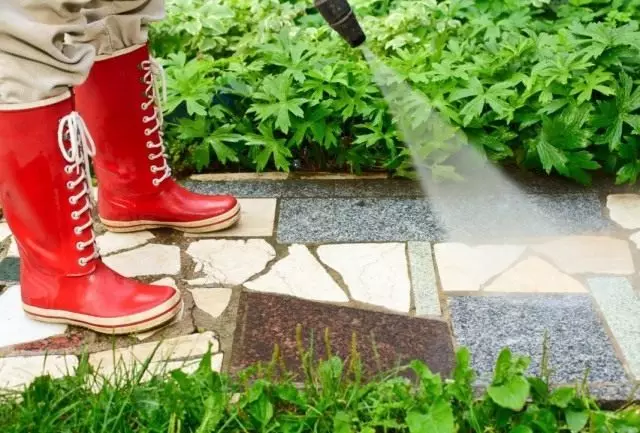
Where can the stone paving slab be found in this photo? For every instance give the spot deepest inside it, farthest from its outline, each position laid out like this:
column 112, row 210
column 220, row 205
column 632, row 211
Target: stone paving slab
column 266, row 320
column 17, row 372
column 426, row 297
column 311, row 188
column 257, row 219
column 578, row 340
column 620, row 306
column 179, row 352
column 355, row 220
column 9, row 270
column 396, row 219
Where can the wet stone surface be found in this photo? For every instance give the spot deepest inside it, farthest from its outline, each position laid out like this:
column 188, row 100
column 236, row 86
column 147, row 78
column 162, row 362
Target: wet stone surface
column 468, row 218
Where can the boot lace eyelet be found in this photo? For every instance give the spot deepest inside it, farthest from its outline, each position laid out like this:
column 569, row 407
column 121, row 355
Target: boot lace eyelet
column 79, row 246
column 69, row 185
column 75, row 215
column 72, row 201
column 147, row 132
column 153, row 169
column 68, row 169
column 155, row 182
column 82, row 262
column 77, row 231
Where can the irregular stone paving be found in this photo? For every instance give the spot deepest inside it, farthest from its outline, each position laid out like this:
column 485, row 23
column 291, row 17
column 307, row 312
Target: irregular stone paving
column 229, row 262
column 299, row 274
column 16, row 372
column 534, row 275
column 624, row 209
column 375, row 274
column 177, row 353
column 296, row 259
column 464, row 268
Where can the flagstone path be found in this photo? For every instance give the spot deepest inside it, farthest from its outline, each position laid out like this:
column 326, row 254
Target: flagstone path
column 374, row 258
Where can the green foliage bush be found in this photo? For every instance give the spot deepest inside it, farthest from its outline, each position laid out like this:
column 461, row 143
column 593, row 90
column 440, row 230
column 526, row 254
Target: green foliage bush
column 332, row 396
column 264, row 84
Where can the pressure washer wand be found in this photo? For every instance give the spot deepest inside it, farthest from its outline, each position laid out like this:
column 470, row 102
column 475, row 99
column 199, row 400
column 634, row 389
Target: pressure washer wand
column 340, row 16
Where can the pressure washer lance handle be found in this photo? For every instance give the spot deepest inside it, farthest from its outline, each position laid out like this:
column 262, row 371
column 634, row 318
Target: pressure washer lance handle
column 340, row 16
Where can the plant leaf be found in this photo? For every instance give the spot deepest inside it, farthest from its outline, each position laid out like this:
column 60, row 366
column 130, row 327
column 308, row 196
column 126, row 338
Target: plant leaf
column 576, row 420
column 439, row 419
column 512, row 394
column 561, row 397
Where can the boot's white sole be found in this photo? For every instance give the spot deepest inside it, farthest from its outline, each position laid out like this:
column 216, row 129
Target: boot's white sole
column 134, row 323
column 207, row 225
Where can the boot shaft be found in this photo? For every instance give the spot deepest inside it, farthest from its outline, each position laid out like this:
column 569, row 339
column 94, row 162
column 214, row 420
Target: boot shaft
column 118, row 102
column 44, row 187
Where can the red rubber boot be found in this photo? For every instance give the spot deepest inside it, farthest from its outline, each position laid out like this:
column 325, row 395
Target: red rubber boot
column 45, row 192
column 136, row 192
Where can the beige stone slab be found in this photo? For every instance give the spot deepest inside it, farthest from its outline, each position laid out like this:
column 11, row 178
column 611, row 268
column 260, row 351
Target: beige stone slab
column 229, row 262
column 212, row 301
column 589, row 255
column 192, row 346
column 624, row 209
column 535, row 275
column 5, row 232
column 191, row 366
column 13, row 249
column 110, row 242
column 257, row 217
column 16, row 372
column 226, row 177
column 376, row 274
column 152, row 259
column 300, row 275
column 464, row 268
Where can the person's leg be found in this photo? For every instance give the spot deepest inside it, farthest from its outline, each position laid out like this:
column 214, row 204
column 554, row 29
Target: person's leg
column 35, row 62
column 120, row 105
column 45, row 180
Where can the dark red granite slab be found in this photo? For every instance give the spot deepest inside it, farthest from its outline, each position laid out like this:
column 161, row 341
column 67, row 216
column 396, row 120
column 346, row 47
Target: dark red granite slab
column 266, row 319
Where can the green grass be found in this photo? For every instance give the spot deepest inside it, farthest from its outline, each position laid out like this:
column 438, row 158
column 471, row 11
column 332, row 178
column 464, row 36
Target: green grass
column 331, row 395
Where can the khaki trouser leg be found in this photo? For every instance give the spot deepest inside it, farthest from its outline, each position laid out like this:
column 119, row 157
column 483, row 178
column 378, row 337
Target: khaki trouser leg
column 48, row 46
column 113, row 25
column 35, row 61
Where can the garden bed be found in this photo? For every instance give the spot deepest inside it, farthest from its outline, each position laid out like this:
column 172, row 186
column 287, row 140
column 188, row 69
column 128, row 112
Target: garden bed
column 548, row 86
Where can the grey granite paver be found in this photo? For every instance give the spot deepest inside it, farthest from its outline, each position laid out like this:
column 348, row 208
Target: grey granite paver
column 479, row 218
column 10, row 269
column 311, row 188
column 620, row 306
column 353, row 220
column 423, row 279
column 578, row 340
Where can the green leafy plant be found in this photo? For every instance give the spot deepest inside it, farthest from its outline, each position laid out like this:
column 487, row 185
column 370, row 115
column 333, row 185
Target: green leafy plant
column 328, row 394
column 546, row 85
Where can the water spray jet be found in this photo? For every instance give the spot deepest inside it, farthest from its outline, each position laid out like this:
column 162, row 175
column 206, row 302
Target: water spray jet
column 339, row 15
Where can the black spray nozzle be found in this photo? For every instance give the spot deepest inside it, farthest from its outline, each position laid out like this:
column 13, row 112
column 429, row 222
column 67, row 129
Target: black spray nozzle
column 340, row 16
